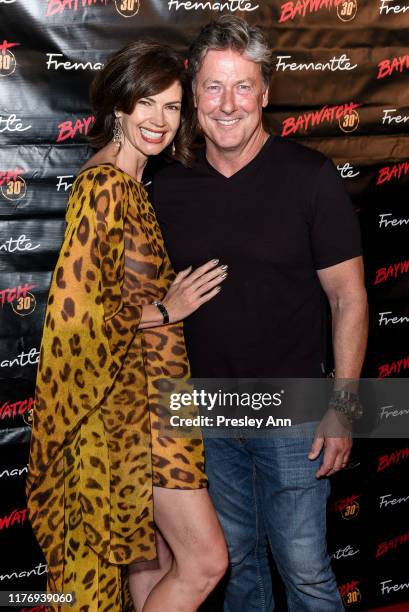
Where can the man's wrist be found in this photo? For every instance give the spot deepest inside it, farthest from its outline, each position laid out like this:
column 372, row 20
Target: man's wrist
column 347, row 403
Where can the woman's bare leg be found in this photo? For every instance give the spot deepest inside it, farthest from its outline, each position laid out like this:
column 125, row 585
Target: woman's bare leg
column 145, row 575
column 189, row 524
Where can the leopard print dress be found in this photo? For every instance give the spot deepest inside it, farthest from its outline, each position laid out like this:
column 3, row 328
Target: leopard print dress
column 96, row 449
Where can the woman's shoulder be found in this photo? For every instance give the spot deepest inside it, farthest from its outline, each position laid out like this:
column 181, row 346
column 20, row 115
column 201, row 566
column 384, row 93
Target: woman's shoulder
column 99, row 172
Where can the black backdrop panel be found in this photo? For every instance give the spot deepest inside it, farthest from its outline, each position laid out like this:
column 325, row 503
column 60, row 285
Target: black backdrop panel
column 340, row 85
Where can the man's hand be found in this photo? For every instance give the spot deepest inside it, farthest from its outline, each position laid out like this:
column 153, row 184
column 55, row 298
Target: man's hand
column 334, row 435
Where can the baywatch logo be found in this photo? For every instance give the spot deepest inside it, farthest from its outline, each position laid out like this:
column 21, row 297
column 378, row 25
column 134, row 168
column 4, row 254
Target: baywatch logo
column 388, row 66
column 393, row 544
column 346, row 115
column 69, row 129
column 13, row 187
column 7, row 58
column 392, row 173
column 346, row 9
column 20, row 299
column 12, row 410
column 127, row 8
column 393, row 368
column 387, row 461
column 350, row 594
column 56, row 7
column 15, row 517
column 392, row 271
column 348, row 507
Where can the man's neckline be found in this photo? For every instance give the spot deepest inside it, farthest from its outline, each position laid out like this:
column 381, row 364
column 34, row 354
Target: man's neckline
column 245, row 168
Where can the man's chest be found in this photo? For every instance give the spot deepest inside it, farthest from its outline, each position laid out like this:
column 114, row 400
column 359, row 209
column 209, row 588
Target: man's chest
column 257, row 226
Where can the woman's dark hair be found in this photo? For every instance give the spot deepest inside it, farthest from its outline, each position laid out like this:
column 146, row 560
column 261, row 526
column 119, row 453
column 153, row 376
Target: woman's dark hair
column 140, row 70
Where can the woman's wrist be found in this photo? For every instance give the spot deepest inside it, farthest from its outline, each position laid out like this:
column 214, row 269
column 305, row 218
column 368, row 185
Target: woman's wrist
column 162, row 309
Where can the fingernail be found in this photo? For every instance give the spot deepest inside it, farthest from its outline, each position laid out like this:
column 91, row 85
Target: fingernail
column 215, row 261
column 218, row 289
column 224, row 275
column 224, row 267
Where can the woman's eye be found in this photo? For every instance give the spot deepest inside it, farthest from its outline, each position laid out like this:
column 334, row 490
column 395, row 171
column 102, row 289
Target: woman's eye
column 144, row 102
column 174, row 107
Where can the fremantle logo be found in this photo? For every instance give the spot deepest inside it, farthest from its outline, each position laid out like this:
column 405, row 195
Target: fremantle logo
column 64, row 184
column 386, row 588
column 390, row 118
column 347, row 171
column 385, row 221
column 341, row 63
column 14, row 472
column 383, row 320
column 23, row 359
column 385, row 7
column 230, row 5
column 11, row 245
column 54, row 64
column 37, row 571
column 385, row 502
column 12, row 124
column 344, row 553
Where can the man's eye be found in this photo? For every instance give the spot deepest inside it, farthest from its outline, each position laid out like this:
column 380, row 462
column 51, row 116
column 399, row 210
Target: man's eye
column 212, row 87
column 243, row 87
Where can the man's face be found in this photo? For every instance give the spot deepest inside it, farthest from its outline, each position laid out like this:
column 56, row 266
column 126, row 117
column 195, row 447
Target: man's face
column 229, row 97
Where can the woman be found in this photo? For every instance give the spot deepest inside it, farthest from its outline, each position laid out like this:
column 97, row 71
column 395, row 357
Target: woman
column 100, row 475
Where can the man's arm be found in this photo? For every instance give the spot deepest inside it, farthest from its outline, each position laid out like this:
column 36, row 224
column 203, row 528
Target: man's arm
column 345, row 289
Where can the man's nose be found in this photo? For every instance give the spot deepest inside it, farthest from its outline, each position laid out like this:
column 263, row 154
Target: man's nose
column 228, row 103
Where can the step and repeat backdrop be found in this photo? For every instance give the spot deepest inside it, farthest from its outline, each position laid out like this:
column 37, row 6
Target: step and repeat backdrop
column 341, row 85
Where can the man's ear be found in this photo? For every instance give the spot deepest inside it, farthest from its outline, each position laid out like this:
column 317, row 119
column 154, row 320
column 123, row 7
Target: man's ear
column 266, row 97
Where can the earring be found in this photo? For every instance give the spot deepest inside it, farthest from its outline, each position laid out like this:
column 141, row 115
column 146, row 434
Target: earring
column 117, row 138
column 173, row 150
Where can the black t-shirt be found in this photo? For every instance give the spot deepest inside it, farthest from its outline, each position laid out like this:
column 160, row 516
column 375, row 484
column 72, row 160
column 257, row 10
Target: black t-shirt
column 275, row 222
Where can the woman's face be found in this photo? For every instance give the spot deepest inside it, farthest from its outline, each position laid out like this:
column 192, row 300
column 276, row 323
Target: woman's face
column 153, row 123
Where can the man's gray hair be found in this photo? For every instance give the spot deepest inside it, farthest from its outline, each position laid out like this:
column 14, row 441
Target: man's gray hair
column 231, row 32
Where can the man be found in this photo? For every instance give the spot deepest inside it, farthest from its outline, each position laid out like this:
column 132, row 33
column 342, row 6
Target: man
column 277, row 214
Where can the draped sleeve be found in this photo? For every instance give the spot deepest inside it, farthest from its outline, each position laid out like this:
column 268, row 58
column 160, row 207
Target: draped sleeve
column 89, row 326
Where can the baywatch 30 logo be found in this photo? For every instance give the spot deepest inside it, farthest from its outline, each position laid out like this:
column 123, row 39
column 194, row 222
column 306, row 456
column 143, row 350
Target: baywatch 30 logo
column 350, row 594
column 345, row 114
column 7, row 59
column 348, row 507
column 346, row 9
column 13, row 187
column 127, row 8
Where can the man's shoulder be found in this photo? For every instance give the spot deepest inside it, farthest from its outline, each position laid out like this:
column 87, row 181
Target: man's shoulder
column 175, row 170
column 296, row 155
column 170, row 170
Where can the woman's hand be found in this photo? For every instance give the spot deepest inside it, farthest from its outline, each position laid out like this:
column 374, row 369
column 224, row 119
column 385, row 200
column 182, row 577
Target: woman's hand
column 190, row 289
